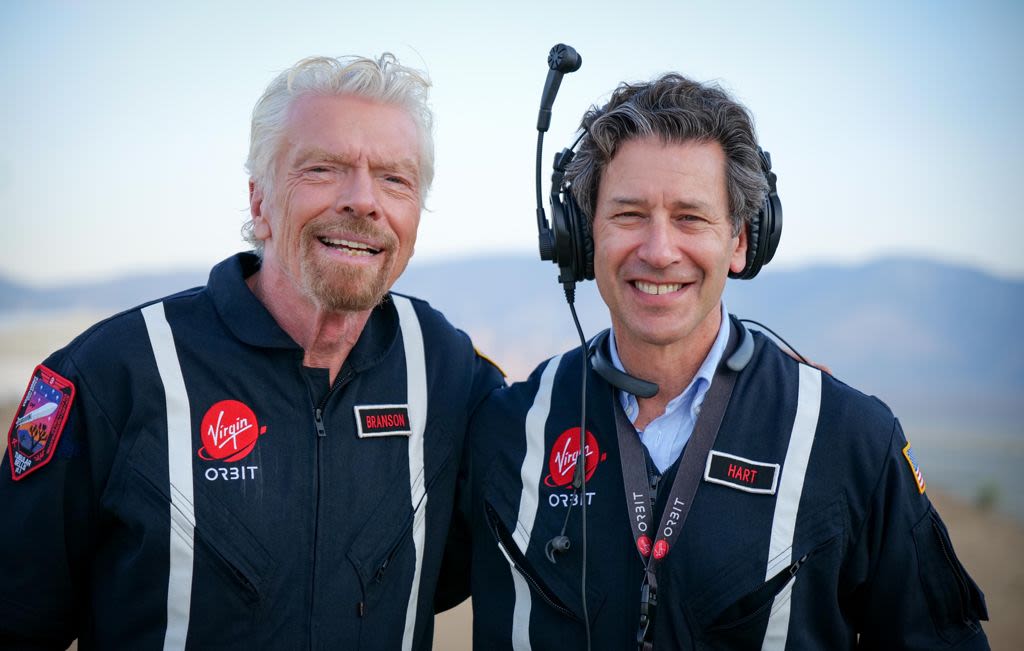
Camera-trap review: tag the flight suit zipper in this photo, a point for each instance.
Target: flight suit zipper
(963, 591)
(379, 574)
(753, 604)
(321, 433)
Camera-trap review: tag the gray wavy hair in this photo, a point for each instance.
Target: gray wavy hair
(383, 79)
(674, 109)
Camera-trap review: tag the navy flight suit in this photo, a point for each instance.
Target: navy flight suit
(839, 548)
(210, 492)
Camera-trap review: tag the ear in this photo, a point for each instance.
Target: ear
(739, 254)
(260, 224)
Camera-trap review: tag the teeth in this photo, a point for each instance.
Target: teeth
(656, 288)
(352, 248)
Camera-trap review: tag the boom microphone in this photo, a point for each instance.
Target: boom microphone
(561, 59)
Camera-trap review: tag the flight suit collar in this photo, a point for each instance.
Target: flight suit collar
(249, 321)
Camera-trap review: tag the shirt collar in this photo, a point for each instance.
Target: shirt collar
(249, 321)
(698, 385)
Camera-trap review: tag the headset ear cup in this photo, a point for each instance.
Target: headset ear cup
(587, 235)
(751, 267)
(772, 233)
(765, 230)
(756, 235)
(582, 243)
(585, 238)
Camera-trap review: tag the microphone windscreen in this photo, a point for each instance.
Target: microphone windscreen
(564, 58)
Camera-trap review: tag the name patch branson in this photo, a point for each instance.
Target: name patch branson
(382, 420)
(744, 474)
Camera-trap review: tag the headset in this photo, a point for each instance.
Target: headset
(568, 242)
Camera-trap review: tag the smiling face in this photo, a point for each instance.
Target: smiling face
(663, 243)
(339, 224)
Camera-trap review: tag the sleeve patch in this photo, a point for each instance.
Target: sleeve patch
(39, 421)
(915, 467)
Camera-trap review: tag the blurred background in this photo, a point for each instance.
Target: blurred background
(894, 129)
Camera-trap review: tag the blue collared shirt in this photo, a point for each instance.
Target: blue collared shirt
(666, 435)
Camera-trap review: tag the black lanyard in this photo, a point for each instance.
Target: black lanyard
(684, 486)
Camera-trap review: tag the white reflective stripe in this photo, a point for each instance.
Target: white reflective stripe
(521, 609)
(794, 468)
(778, 622)
(416, 397)
(533, 465)
(533, 461)
(179, 466)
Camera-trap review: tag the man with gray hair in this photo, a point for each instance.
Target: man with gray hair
(733, 497)
(267, 461)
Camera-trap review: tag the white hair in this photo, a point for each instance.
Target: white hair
(384, 80)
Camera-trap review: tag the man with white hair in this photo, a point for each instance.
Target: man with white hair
(267, 461)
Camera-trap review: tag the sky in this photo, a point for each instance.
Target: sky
(894, 127)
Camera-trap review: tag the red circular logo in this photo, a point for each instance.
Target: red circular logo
(660, 549)
(564, 454)
(643, 543)
(229, 431)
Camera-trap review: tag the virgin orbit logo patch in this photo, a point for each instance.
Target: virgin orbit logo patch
(565, 454)
(229, 432)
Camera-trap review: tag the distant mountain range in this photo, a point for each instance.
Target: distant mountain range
(111, 295)
(932, 339)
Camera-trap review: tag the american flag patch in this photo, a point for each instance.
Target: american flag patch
(914, 467)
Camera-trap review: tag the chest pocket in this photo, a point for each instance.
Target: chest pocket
(734, 610)
(230, 569)
(383, 554)
(557, 586)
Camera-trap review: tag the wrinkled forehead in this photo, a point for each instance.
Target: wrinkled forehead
(352, 117)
